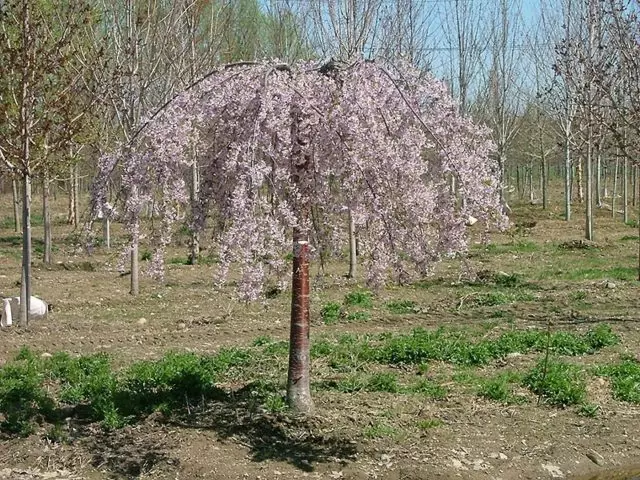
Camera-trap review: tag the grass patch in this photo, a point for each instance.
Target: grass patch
(401, 307)
(523, 246)
(500, 388)
(358, 317)
(330, 313)
(558, 383)
(428, 423)
(625, 380)
(359, 298)
(592, 273)
(379, 430)
(494, 298)
(429, 389)
(630, 238)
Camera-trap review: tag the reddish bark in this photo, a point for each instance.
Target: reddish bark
(298, 392)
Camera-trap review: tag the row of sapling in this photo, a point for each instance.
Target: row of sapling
(275, 141)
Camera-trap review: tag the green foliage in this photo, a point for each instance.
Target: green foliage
(578, 295)
(379, 430)
(559, 383)
(330, 313)
(401, 306)
(625, 379)
(146, 256)
(507, 280)
(23, 397)
(383, 382)
(428, 423)
(429, 389)
(359, 298)
(588, 410)
(358, 316)
(500, 388)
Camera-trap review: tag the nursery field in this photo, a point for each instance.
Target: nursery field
(520, 362)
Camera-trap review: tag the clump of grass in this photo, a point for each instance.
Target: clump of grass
(500, 388)
(495, 298)
(630, 238)
(625, 379)
(428, 423)
(429, 389)
(506, 280)
(383, 382)
(588, 410)
(558, 383)
(358, 316)
(615, 273)
(578, 295)
(379, 430)
(359, 298)
(330, 313)
(401, 307)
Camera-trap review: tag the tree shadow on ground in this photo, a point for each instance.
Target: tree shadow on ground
(237, 415)
(284, 437)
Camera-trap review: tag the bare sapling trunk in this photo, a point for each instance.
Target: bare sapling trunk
(25, 288)
(353, 259)
(46, 215)
(298, 391)
(625, 188)
(195, 194)
(76, 195)
(579, 181)
(16, 204)
(599, 180)
(106, 232)
(634, 182)
(544, 178)
(588, 228)
(614, 193)
(135, 269)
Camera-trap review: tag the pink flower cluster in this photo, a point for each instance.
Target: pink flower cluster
(382, 141)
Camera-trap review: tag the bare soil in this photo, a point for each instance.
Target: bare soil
(475, 438)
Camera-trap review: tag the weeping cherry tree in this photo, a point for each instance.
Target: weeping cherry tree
(276, 142)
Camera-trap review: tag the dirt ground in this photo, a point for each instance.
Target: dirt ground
(475, 439)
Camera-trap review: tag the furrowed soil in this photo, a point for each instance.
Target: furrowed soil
(538, 277)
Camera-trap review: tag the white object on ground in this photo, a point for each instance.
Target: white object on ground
(471, 221)
(11, 308)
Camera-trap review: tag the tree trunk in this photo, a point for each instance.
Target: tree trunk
(588, 226)
(353, 259)
(614, 193)
(298, 391)
(545, 180)
(579, 181)
(25, 288)
(567, 179)
(16, 204)
(599, 180)
(634, 182)
(46, 215)
(76, 195)
(625, 190)
(135, 268)
(106, 232)
(195, 195)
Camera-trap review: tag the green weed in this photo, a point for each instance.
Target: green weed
(379, 430)
(400, 307)
(358, 316)
(559, 383)
(359, 298)
(625, 379)
(429, 389)
(429, 423)
(330, 312)
(500, 388)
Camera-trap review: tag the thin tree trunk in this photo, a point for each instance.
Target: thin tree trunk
(625, 190)
(615, 185)
(46, 215)
(634, 182)
(599, 179)
(579, 182)
(353, 259)
(545, 181)
(195, 195)
(588, 228)
(298, 391)
(25, 288)
(76, 195)
(106, 232)
(16, 204)
(135, 268)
